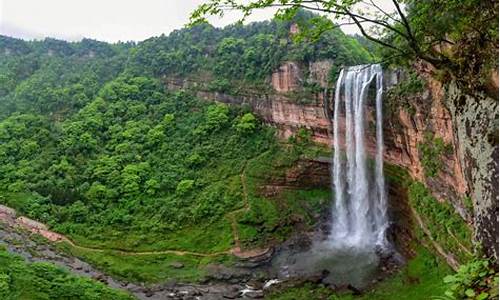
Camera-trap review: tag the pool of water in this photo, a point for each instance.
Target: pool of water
(345, 265)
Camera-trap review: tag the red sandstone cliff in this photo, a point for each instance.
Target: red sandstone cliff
(280, 107)
(405, 129)
(287, 78)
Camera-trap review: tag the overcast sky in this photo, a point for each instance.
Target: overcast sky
(106, 20)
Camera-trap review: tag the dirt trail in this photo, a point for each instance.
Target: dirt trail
(138, 253)
(8, 216)
(232, 215)
(237, 250)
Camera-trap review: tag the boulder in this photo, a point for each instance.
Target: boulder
(176, 265)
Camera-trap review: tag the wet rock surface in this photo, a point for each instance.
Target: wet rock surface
(221, 282)
(224, 283)
(476, 122)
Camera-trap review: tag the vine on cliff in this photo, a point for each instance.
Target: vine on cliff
(402, 95)
(448, 229)
(431, 152)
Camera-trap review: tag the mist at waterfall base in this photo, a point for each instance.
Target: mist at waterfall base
(350, 251)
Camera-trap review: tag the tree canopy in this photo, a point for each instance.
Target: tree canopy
(445, 34)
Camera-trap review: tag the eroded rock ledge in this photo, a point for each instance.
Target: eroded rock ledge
(467, 124)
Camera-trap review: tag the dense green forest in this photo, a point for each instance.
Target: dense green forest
(93, 145)
(57, 78)
(247, 53)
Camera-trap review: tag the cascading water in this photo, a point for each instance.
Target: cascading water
(360, 209)
(350, 252)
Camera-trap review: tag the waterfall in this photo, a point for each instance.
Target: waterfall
(360, 208)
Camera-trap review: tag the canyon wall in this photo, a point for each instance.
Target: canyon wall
(475, 119)
(405, 129)
(280, 107)
(466, 124)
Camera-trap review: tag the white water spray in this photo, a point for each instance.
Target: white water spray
(360, 210)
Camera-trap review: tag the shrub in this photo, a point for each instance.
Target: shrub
(184, 186)
(168, 118)
(474, 280)
(431, 152)
(4, 284)
(246, 124)
(402, 94)
(216, 116)
(219, 85)
(152, 186)
(195, 159)
(445, 225)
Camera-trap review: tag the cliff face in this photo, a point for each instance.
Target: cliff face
(287, 78)
(406, 129)
(280, 107)
(475, 120)
(466, 125)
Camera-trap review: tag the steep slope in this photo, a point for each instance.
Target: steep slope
(152, 156)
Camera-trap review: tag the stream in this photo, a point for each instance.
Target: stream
(352, 254)
(298, 260)
(35, 249)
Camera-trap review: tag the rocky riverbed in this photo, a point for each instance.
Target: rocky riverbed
(35, 248)
(300, 259)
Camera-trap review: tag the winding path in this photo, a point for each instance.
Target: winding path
(246, 207)
(7, 216)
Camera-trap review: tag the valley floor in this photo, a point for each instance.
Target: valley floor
(421, 278)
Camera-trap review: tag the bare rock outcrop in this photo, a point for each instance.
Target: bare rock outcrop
(467, 124)
(287, 78)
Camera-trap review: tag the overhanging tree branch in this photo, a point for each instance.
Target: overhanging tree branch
(411, 37)
(400, 26)
(357, 22)
(382, 11)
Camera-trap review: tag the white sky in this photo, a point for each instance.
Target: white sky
(106, 20)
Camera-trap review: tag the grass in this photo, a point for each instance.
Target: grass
(308, 202)
(431, 151)
(18, 201)
(445, 225)
(21, 280)
(420, 279)
(204, 238)
(448, 229)
(306, 292)
(396, 175)
(152, 268)
(271, 219)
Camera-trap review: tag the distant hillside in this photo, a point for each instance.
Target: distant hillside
(57, 78)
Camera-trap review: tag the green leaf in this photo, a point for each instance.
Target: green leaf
(449, 294)
(482, 296)
(470, 293)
